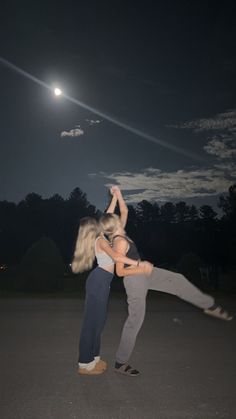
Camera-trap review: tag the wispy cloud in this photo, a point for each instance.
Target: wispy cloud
(220, 130)
(221, 121)
(221, 146)
(154, 184)
(76, 132)
(93, 121)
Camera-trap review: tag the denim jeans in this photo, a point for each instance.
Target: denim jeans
(95, 313)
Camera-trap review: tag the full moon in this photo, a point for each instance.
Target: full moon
(57, 91)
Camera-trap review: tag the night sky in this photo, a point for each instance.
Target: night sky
(165, 68)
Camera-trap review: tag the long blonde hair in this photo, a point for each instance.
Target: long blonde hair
(84, 254)
(109, 224)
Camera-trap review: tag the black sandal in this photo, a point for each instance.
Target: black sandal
(126, 369)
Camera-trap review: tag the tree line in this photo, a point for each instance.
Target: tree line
(164, 233)
(25, 223)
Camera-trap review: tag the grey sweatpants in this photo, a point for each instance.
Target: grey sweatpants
(137, 287)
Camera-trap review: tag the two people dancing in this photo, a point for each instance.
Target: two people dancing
(108, 242)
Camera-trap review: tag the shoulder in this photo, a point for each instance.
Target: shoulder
(99, 243)
(120, 243)
(103, 243)
(124, 239)
(101, 239)
(119, 239)
(98, 239)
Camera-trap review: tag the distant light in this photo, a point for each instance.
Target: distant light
(57, 91)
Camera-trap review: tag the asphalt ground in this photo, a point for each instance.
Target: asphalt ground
(187, 362)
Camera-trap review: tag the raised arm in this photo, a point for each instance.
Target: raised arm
(112, 205)
(122, 205)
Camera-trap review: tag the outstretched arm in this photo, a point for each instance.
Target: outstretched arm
(122, 205)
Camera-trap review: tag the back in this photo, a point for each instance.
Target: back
(132, 252)
(103, 259)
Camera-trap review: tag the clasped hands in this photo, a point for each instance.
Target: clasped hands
(115, 190)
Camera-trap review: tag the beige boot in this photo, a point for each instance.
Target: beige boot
(95, 371)
(101, 364)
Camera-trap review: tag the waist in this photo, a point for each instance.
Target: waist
(134, 258)
(133, 252)
(107, 268)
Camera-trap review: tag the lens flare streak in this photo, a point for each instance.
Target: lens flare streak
(103, 115)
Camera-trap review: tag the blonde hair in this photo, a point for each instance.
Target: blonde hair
(84, 254)
(109, 224)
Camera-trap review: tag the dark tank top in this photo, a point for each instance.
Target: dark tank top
(133, 251)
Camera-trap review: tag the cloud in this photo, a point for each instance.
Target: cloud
(93, 121)
(222, 147)
(153, 184)
(156, 185)
(221, 121)
(76, 132)
(229, 167)
(222, 127)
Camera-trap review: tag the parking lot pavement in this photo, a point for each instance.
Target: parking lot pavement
(187, 362)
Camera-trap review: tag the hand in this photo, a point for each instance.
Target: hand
(142, 263)
(111, 191)
(147, 267)
(115, 189)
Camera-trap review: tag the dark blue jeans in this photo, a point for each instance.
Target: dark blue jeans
(96, 300)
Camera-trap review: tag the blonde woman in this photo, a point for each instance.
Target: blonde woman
(137, 286)
(91, 243)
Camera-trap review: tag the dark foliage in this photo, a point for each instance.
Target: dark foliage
(42, 267)
(169, 235)
(24, 224)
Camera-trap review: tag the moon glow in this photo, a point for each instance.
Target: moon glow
(57, 91)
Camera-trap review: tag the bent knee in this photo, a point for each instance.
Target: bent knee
(136, 317)
(181, 277)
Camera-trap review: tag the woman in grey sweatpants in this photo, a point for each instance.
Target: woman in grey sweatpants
(137, 286)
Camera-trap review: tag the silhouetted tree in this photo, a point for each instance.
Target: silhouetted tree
(168, 213)
(193, 213)
(148, 212)
(228, 203)
(76, 207)
(34, 217)
(207, 214)
(164, 233)
(7, 229)
(189, 265)
(182, 213)
(132, 223)
(42, 266)
(228, 227)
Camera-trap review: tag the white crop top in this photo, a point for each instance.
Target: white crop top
(103, 259)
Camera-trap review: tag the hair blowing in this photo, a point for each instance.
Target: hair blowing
(84, 254)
